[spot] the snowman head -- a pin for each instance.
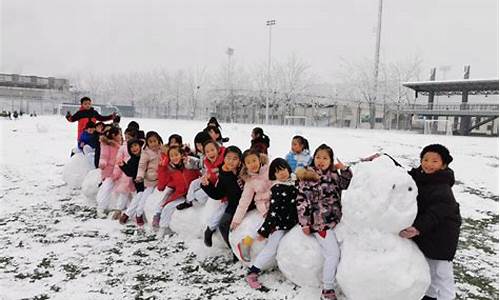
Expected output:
(381, 196)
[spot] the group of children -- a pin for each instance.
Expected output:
(298, 189)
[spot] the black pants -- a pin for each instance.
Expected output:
(225, 223)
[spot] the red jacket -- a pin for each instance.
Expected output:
(212, 168)
(163, 168)
(84, 116)
(178, 180)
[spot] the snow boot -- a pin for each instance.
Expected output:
(123, 218)
(156, 221)
(184, 205)
(140, 221)
(253, 281)
(328, 295)
(117, 214)
(208, 237)
(428, 298)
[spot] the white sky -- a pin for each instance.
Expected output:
(57, 37)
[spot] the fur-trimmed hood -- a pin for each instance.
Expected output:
(307, 174)
(103, 139)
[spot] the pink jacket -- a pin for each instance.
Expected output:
(123, 183)
(260, 185)
(109, 148)
(148, 167)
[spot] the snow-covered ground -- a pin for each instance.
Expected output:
(52, 245)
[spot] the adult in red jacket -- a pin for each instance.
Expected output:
(85, 114)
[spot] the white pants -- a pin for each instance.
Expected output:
(136, 207)
(269, 252)
(104, 194)
(196, 193)
(122, 200)
(168, 210)
(89, 153)
(331, 252)
(442, 281)
(214, 220)
(159, 207)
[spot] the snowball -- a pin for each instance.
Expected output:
(377, 265)
(375, 262)
(387, 203)
(188, 222)
(248, 227)
(299, 258)
(90, 184)
(42, 128)
(75, 170)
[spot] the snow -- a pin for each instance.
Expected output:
(375, 208)
(90, 184)
(75, 169)
(52, 245)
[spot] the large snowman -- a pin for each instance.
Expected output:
(375, 262)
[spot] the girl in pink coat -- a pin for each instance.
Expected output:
(110, 143)
(256, 177)
(124, 186)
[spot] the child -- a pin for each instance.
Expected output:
(124, 186)
(229, 186)
(299, 156)
(130, 168)
(85, 114)
(179, 179)
(140, 133)
(214, 157)
(110, 143)
(215, 134)
(282, 216)
(260, 142)
(437, 225)
(100, 128)
(213, 122)
(319, 209)
(148, 173)
(87, 142)
(256, 190)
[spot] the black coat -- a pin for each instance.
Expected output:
(130, 169)
(97, 152)
(438, 217)
(282, 214)
(228, 185)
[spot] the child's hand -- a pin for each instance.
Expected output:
(306, 230)
(260, 238)
(409, 232)
(234, 225)
(204, 180)
(339, 165)
(139, 179)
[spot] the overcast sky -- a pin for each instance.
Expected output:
(58, 37)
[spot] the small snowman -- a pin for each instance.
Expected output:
(375, 262)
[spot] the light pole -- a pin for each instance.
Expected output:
(269, 23)
(230, 52)
(375, 73)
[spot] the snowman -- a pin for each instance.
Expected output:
(75, 169)
(375, 262)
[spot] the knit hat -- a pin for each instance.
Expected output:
(439, 149)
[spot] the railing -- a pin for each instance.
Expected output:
(450, 107)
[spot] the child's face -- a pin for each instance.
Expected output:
(282, 175)
(199, 147)
(322, 160)
(135, 149)
(175, 157)
(87, 104)
(91, 130)
(253, 135)
(214, 135)
(296, 146)
(153, 143)
(432, 162)
(211, 152)
(173, 142)
(232, 161)
(252, 163)
(117, 138)
(99, 128)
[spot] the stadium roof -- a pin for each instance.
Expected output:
(455, 87)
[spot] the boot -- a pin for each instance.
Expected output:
(123, 218)
(184, 205)
(117, 214)
(156, 221)
(328, 295)
(208, 237)
(140, 221)
(428, 298)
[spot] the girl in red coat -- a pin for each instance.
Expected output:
(178, 179)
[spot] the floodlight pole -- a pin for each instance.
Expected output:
(269, 23)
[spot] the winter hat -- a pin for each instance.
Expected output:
(439, 149)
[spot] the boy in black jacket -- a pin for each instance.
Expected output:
(437, 225)
(130, 168)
